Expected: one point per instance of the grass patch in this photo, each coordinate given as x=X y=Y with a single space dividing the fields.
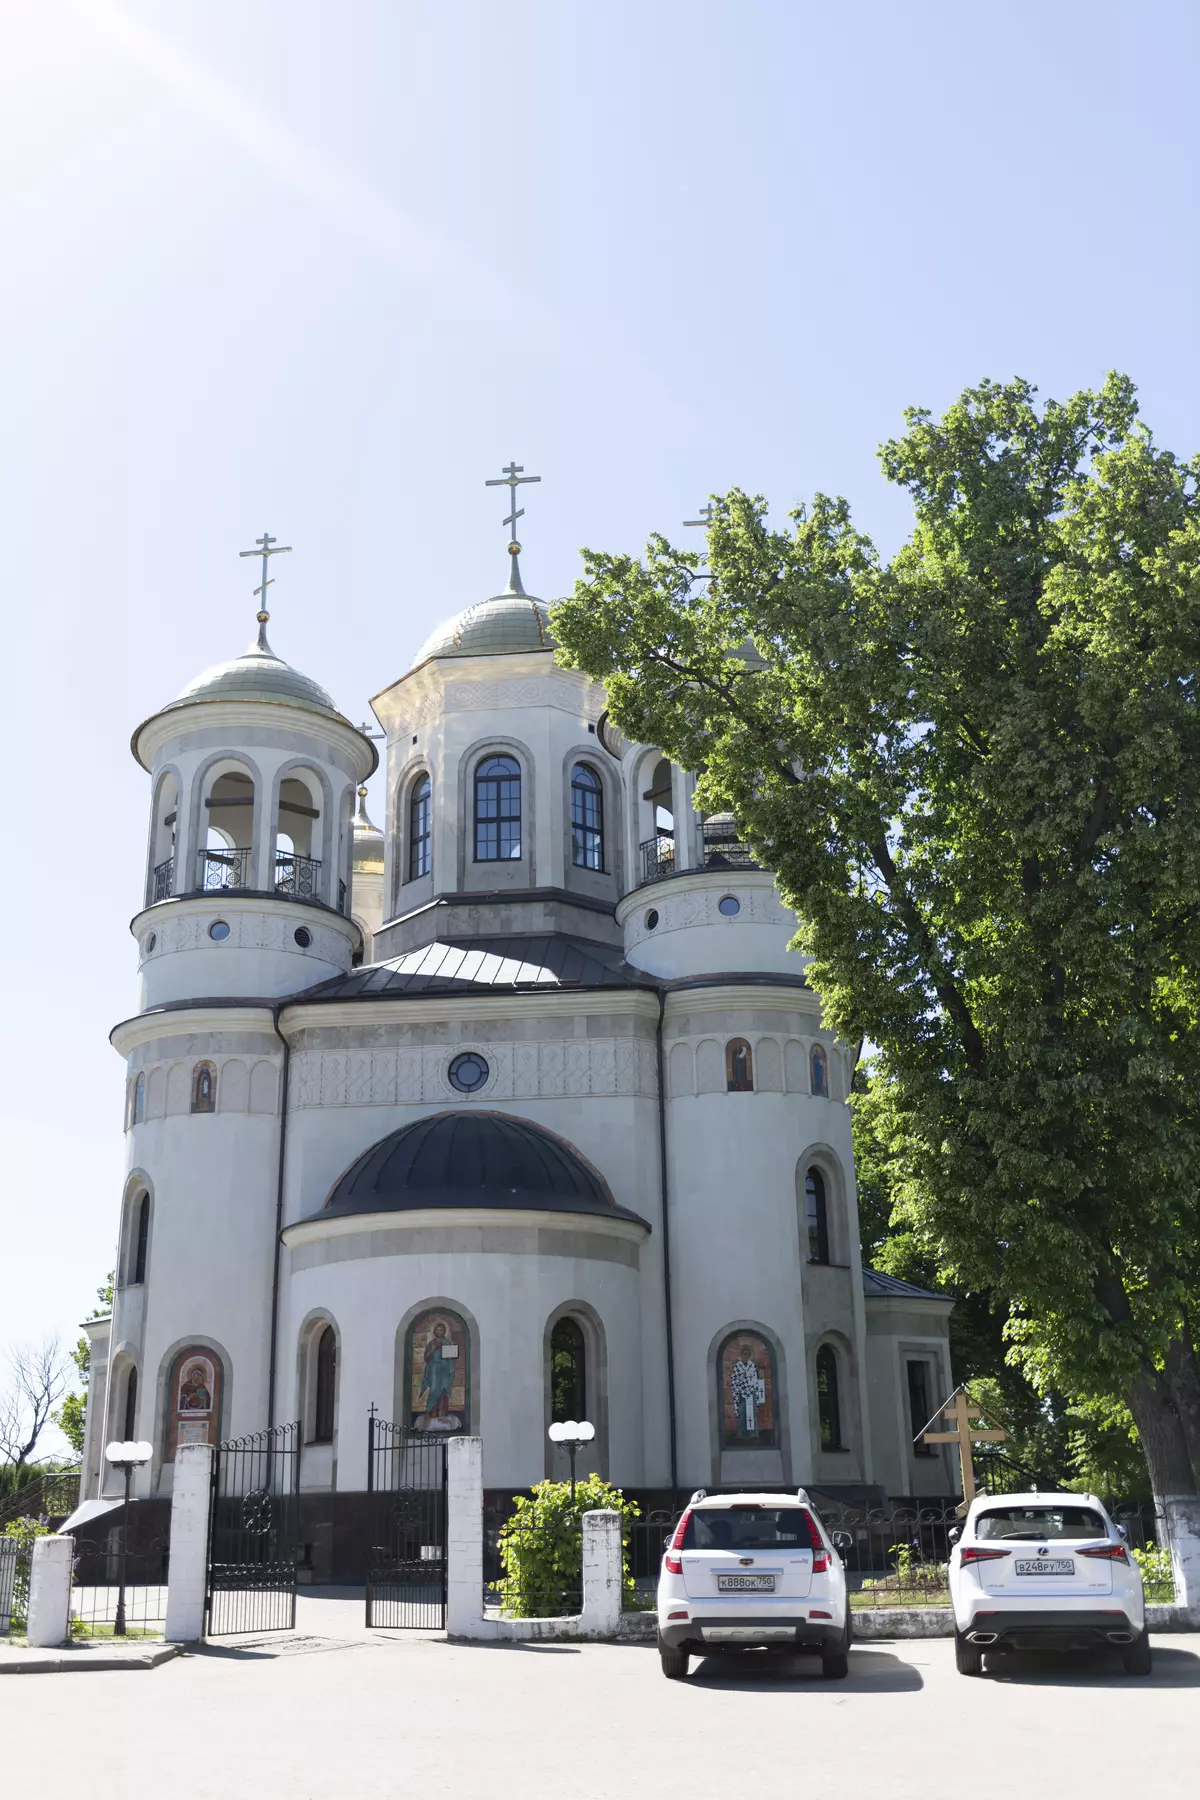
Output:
x=877 y=1599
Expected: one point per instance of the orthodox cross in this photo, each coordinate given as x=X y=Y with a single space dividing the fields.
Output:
x=962 y=1409
x=512 y=479
x=267 y=547
x=705 y=518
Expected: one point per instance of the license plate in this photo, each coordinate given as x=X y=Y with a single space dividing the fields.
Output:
x=1047 y=1565
x=745 y=1584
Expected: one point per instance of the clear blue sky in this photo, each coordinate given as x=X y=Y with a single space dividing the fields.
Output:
x=322 y=269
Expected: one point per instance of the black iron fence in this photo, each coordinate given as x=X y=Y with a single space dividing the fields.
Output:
x=720 y=848
x=116 y=1590
x=254 y=1543
x=14 y=1585
x=52 y=1495
x=297 y=876
x=164 y=877
x=225 y=869
x=406 y=1565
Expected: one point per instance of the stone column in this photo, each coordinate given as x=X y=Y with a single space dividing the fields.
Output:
x=1180 y=1515
x=464 y=1536
x=601 y=1573
x=187 y=1582
x=49 y=1617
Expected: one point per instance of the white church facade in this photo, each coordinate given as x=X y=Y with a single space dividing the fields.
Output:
x=518 y=1108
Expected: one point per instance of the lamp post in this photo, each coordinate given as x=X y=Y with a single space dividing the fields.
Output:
x=129 y=1457
x=572 y=1433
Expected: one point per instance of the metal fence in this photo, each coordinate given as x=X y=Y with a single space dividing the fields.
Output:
x=116 y=1592
x=297 y=875
x=406 y=1572
x=52 y=1495
x=14 y=1585
x=254 y=1541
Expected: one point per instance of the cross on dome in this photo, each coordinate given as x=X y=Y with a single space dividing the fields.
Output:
x=267 y=547
x=513 y=478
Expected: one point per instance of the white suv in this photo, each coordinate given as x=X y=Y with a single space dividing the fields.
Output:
x=1045 y=1570
x=745 y=1570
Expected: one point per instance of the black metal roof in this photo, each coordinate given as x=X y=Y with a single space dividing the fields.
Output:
x=878 y=1286
x=543 y=960
x=473 y=1158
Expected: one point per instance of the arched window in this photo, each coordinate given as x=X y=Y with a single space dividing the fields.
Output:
x=587 y=818
x=131 y=1406
x=497 y=810
x=204 y=1088
x=139 y=1099
x=418 y=828
x=141 y=1223
x=829 y=1414
x=568 y=1371
x=818 y=1064
x=816 y=1217
x=739 y=1067
x=326 y=1373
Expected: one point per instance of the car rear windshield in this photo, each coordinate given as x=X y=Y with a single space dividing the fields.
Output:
x=748 y=1528
x=1040 y=1522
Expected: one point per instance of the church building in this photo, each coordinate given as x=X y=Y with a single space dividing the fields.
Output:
x=515 y=1110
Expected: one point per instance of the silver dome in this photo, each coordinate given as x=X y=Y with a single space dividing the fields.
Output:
x=505 y=625
x=257 y=674
x=367 y=855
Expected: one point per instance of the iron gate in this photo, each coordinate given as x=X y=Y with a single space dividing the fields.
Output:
x=406 y=1560
x=253 y=1532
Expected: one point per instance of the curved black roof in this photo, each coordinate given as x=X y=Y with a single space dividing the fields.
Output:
x=473 y=1158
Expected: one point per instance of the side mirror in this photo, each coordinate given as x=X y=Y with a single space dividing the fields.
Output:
x=954 y=1533
x=843 y=1543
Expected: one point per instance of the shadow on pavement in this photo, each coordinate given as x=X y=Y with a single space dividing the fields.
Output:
x=757 y=1671
x=1091 y=1668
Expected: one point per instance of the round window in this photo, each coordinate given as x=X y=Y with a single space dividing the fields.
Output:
x=652 y=918
x=468 y=1072
x=729 y=905
x=303 y=936
x=218 y=929
x=150 y=942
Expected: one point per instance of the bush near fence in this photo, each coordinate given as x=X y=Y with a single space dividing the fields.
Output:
x=541 y=1548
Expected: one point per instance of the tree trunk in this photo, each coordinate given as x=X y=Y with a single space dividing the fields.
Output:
x=1164 y=1439
x=1183 y=1377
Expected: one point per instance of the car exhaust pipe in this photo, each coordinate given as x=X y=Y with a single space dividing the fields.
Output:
x=1119 y=1637
x=981 y=1637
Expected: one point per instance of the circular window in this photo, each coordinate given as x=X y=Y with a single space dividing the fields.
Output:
x=303 y=936
x=651 y=918
x=150 y=942
x=729 y=905
x=218 y=929
x=468 y=1072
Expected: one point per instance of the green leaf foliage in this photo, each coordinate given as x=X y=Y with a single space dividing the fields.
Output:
x=71 y=1414
x=974 y=768
x=541 y=1546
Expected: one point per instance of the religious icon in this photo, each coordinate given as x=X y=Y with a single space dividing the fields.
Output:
x=195 y=1387
x=739 y=1070
x=437 y=1362
x=820 y=1071
x=195 y=1392
x=746 y=1390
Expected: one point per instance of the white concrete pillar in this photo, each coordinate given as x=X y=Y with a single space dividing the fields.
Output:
x=187 y=1580
x=1180 y=1515
x=464 y=1536
x=601 y=1573
x=49 y=1618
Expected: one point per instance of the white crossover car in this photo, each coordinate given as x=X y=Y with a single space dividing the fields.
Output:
x=752 y=1571
x=1052 y=1570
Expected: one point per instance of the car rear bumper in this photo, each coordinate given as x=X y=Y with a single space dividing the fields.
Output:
x=1082 y=1629
x=706 y=1632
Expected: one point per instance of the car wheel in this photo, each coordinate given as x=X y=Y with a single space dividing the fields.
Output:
x=968 y=1658
x=1136 y=1656
x=835 y=1664
x=674 y=1663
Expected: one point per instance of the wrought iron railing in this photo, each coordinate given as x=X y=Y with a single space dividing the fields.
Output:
x=164 y=878
x=225 y=868
x=343 y=896
x=297 y=876
x=658 y=858
x=720 y=848
x=51 y=1496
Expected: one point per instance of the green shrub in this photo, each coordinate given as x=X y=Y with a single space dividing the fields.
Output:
x=541 y=1546
x=1158 y=1577
x=25 y=1531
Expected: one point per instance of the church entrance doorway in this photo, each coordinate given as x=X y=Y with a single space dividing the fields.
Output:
x=406 y=1562
x=253 y=1541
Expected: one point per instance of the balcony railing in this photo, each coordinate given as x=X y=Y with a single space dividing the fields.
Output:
x=297 y=876
x=721 y=848
x=164 y=879
x=225 y=868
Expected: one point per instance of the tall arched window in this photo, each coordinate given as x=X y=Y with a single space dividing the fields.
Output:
x=497 y=810
x=139 y=1099
x=141 y=1224
x=818 y=1064
x=204 y=1088
x=829 y=1414
x=568 y=1371
x=131 y=1406
x=326 y=1373
x=587 y=818
x=418 y=830
x=816 y=1217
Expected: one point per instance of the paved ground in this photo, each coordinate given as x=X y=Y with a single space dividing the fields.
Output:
x=331 y=1713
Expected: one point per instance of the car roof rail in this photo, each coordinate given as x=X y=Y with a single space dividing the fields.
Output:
x=700 y=1494
x=802 y=1497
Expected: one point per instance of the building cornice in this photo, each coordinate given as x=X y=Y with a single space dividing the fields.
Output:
x=231 y=717
x=231 y=900
x=724 y=994
x=570 y=1003
x=200 y=1016
x=319 y=1229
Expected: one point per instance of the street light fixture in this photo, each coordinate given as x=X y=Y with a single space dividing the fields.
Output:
x=127 y=1456
x=572 y=1433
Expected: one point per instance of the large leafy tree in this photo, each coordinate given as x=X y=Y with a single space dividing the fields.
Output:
x=974 y=768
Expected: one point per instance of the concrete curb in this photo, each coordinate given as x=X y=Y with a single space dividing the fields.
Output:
x=59 y=1662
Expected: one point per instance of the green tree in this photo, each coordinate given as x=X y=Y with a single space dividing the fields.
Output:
x=974 y=767
x=71 y=1414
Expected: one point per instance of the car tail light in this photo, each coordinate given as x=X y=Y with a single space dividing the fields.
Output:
x=973 y=1553
x=672 y=1564
x=1109 y=1552
x=677 y=1615
x=820 y=1615
x=675 y=1541
x=820 y=1553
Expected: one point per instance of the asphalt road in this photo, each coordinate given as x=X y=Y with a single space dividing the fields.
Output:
x=330 y=1712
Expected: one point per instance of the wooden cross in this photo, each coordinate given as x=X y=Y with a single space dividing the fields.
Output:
x=962 y=1409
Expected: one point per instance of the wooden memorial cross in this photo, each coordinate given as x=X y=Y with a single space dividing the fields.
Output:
x=961 y=1408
